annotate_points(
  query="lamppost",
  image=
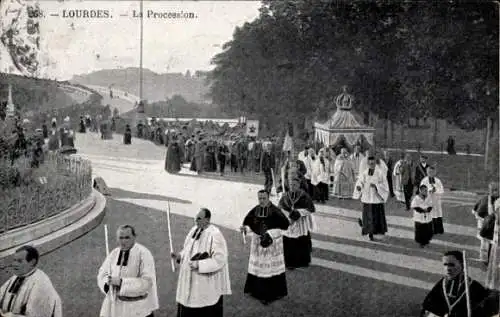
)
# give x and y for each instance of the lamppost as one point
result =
(139, 116)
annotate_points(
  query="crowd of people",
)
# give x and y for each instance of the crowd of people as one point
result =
(280, 241)
(22, 143)
(372, 177)
(280, 235)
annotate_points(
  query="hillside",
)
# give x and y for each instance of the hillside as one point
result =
(156, 86)
(178, 107)
(32, 94)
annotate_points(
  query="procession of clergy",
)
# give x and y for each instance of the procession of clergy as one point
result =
(280, 239)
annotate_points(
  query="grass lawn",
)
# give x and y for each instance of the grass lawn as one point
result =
(460, 172)
(312, 292)
(456, 173)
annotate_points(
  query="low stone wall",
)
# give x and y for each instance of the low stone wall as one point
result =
(58, 230)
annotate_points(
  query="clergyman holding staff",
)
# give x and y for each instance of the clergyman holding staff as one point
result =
(129, 270)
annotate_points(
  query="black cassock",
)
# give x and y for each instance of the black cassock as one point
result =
(127, 136)
(83, 128)
(173, 158)
(264, 284)
(297, 250)
(448, 297)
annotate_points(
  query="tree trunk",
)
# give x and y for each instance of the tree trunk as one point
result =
(402, 134)
(386, 123)
(435, 133)
(493, 159)
(392, 133)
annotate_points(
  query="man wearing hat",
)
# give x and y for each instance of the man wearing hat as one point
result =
(420, 170)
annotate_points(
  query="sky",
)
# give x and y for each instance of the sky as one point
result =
(72, 46)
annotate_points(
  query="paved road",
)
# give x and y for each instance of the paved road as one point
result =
(350, 275)
(124, 102)
(142, 172)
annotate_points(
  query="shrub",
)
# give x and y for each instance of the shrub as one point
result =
(27, 200)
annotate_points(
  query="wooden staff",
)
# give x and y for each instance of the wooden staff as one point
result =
(467, 291)
(106, 237)
(170, 236)
(275, 187)
(243, 233)
(111, 288)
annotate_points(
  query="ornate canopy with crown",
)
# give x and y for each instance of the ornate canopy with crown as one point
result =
(343, 124)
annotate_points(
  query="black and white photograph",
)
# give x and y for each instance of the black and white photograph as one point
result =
(299, 158)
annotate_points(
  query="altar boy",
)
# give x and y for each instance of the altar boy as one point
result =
(422, 207)
(436, 190)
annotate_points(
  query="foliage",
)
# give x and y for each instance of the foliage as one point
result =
(92, 106)
(179, 107)
(69, 180)
(493, 158)
(32, 94)
(400, 59)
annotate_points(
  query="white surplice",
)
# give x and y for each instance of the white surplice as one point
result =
(396, 183)
(301, 156)
(344, 177)
(308, 162)
(368, 194)
(437, 208)
(321, 172)
(418, 202)
(356, 159)
(137, 295)
(36, 297)
(204, 286)
(383, 166)
(270, 261)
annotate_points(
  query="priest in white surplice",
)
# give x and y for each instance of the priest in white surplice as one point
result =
(204, 270)
(133, 278)
(29, 292)
(373, 189)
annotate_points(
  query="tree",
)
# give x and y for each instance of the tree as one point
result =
(400, 59)
(116, 113)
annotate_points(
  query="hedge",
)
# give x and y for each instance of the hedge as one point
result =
(61, 182)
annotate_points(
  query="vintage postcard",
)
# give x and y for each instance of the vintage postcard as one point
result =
(249, 158)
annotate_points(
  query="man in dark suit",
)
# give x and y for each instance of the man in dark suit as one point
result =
(420, 171)
(390, 167)
(407, 179)
(267, 165)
